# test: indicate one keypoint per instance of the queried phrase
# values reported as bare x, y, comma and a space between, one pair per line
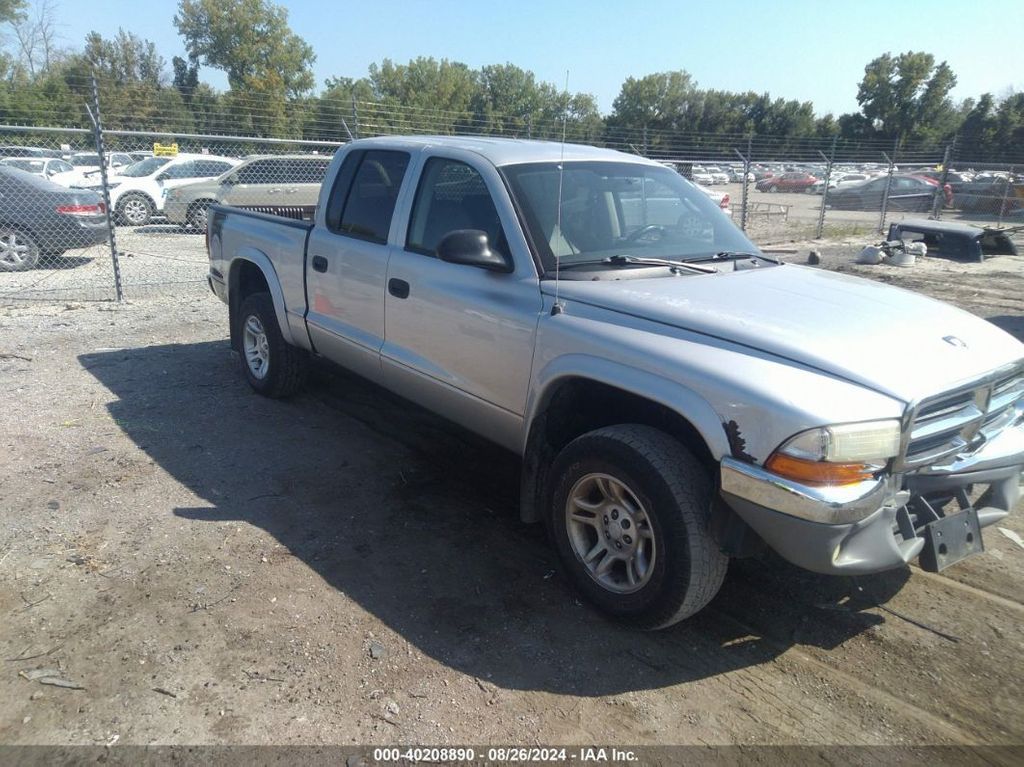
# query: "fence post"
645, 142
888, 185
94, 113
1006, 195
355, 116
940, 193
746, 182
824, 192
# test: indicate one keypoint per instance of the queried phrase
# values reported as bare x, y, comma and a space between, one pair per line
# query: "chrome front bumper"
855, 528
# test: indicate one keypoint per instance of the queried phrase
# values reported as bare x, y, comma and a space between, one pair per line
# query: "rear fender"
259, 259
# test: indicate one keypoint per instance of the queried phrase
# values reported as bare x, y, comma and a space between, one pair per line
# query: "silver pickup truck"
677, 397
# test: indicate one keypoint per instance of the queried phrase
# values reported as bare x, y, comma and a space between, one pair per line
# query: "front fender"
666, 392
259, 259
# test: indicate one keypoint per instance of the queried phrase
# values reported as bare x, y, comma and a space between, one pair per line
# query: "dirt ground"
212, 567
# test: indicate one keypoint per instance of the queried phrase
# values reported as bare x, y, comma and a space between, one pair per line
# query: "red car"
787, 182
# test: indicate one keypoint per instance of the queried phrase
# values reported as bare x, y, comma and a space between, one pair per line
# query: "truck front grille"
951, 422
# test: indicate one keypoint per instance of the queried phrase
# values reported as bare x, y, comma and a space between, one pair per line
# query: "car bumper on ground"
866, 527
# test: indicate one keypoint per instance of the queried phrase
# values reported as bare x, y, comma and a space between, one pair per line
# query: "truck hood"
888, 339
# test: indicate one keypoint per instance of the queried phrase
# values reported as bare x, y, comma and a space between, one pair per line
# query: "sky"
797, 49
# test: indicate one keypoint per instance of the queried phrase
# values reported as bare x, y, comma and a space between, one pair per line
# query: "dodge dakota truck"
677, 397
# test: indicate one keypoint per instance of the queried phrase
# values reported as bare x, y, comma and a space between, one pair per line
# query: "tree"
36, 36
251, 41
907, 97
660, 101
423, 95
125, 59
11, 10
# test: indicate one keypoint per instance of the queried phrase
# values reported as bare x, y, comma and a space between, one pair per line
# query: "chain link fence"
95, 213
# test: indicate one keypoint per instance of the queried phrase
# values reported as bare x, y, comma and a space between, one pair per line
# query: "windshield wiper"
624, 260
733, 255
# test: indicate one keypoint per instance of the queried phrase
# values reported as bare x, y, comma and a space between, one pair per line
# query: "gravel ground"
212, 567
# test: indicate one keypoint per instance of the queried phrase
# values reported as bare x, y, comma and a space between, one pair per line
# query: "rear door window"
370, 204
307, 171
257, 172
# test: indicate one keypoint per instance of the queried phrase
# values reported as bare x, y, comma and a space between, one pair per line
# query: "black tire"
286, 366
675, 492
19, 250
196, 218
135, 209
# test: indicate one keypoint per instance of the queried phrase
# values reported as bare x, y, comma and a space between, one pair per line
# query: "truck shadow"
417, 522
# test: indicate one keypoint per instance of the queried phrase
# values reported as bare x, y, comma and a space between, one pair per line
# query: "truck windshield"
619, 209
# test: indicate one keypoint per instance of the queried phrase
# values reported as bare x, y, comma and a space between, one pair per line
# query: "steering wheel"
644, 231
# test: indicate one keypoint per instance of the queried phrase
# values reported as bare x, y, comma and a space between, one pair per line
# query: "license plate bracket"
950, 540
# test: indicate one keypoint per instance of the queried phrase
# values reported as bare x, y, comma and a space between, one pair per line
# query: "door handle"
398, 288
319, 264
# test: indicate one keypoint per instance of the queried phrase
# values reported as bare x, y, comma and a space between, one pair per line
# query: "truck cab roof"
503, 151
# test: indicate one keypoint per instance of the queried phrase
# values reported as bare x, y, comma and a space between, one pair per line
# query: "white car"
700, 175
138, 192
56, 170
88, 165
718, 176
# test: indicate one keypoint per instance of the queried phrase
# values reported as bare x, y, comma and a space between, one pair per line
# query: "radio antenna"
557, 308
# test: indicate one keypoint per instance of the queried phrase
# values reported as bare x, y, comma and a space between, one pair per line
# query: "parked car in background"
736, 176
287, 185
916, 193
793, 181
953, 178
40, 218
718, 176
27, 151
995, 195
88, 163
56, 170
138, 192
818, 187
700, 175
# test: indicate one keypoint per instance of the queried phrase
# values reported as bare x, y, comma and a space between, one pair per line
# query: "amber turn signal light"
819, 472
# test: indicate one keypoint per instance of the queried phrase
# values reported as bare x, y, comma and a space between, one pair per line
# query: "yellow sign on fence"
165, 150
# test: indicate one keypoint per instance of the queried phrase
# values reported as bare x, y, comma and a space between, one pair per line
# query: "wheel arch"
252, 272
194, 204
591, 395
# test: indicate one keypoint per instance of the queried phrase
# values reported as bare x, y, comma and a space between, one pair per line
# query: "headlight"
837, 455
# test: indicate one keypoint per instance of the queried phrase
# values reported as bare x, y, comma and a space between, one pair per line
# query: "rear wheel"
18, 250
629, 516
273, 367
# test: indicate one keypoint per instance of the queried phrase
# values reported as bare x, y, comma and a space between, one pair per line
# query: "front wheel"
135, 209
628, 512
273, 367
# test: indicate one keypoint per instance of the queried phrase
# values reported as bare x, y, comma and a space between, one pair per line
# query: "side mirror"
163, 176
471, 248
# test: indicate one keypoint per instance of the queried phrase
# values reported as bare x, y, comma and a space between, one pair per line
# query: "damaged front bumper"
885, 523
